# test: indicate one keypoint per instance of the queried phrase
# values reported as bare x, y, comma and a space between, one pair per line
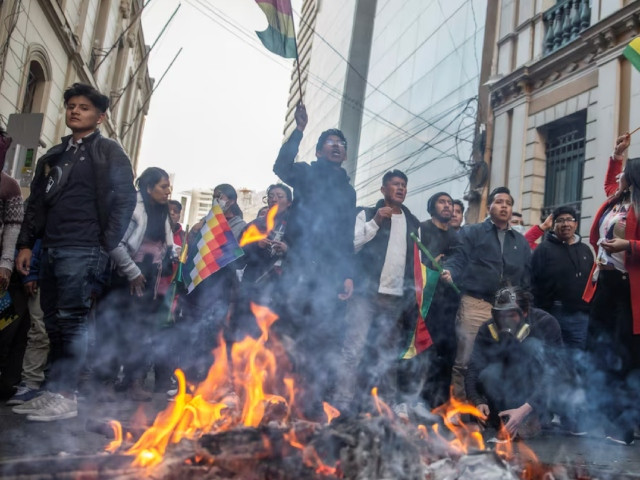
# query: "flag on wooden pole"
279, 37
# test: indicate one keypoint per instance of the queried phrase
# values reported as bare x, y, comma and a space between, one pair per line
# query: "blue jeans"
574, 326
70, 279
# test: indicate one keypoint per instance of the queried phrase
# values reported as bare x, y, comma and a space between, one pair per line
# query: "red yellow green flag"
279, 37
425, 282
632, 52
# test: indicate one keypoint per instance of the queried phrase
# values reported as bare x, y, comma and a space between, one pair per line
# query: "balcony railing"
564, 22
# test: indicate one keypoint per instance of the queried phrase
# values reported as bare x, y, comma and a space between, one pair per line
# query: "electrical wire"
253, 42
425, 146
362, 77
230, 24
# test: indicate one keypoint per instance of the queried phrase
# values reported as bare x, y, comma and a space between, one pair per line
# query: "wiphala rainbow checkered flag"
216, 247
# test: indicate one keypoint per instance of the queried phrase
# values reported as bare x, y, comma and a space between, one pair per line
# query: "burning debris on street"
243, 422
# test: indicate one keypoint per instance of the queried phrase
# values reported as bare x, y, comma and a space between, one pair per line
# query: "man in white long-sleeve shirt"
383, 306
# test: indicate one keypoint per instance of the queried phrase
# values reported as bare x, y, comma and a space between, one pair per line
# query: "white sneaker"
57, 408
33, 404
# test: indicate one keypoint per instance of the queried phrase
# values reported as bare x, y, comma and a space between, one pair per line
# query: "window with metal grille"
565, 162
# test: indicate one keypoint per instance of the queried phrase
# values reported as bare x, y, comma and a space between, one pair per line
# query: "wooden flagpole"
295, 37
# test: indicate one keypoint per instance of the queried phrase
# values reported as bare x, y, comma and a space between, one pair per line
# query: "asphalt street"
33, 441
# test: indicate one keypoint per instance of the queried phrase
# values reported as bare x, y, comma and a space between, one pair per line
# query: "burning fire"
253, 234
248, 387
117, 437
330, 411
233, 394
466, 437
383, 408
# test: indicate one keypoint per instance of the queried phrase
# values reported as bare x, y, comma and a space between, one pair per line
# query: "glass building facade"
416, 93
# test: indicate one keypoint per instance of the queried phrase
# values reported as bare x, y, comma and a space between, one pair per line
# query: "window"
99, 33
32, 101
565, 162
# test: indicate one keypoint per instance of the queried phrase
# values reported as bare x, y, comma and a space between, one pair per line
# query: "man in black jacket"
384, 303
560, 269
490, 256
510, 375
82, 198
318, 271
441, 240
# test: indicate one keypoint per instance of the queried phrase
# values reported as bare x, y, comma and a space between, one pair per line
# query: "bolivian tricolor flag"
425, 285
632, 52
279, 37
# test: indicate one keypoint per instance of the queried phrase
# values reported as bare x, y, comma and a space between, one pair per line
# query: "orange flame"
151, 446
466, 437
312, 459
253, 234
236, 392
309, 455
505, 448
383, 408
291, 394
290, 437
117, 437
330, 411
531, 466
260, 366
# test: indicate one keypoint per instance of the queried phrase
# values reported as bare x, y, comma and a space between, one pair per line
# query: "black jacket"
507, 373
560, 273
370, 259
115, 193
322, 217
478, 266
438, 242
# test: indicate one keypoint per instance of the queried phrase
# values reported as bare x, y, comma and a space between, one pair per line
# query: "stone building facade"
560, 93
48, 45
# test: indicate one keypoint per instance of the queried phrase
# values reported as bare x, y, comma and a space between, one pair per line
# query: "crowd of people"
527, 325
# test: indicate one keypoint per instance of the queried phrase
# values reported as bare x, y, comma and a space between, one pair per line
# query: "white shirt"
392, 276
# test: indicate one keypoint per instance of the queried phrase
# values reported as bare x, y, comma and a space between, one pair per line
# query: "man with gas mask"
509, 377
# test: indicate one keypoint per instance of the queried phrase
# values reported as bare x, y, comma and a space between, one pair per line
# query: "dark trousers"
574, 325
616, 350
127, 328
70, 278
441, 323
14, 328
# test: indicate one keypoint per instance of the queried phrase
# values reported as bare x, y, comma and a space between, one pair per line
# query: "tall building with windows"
400, 78
196, 204
561, 92
47, 45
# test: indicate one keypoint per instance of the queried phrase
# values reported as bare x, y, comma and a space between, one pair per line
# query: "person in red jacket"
537, 231
614, 292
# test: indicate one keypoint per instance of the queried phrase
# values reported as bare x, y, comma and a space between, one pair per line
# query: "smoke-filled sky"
217, 117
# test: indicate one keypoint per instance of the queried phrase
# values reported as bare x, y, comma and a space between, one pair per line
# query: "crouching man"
509, 376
